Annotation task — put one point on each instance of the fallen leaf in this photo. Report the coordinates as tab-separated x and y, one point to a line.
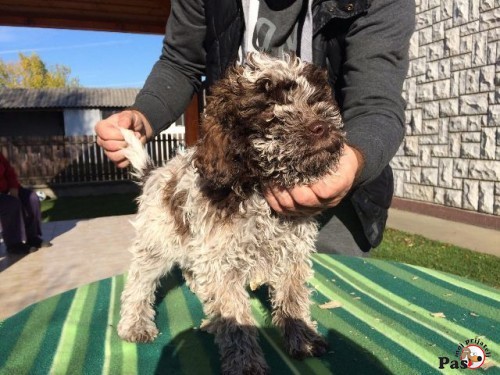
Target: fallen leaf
330	305
438	315
473	314
414	278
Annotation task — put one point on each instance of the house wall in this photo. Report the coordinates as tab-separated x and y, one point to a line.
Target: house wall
451	154
80	121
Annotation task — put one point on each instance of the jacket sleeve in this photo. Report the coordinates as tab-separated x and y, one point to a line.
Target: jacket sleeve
177	74
375	68
10	175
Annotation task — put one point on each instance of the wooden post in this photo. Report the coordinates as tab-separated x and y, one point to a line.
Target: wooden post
192	121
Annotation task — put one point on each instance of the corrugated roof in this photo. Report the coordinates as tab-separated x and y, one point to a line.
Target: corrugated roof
66	98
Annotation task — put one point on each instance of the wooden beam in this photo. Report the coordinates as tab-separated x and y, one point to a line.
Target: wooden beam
133	16
89	25
192	122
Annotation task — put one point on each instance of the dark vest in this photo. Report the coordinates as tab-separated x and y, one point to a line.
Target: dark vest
331	22
225	29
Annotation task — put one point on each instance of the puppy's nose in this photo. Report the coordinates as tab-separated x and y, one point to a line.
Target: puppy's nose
318	128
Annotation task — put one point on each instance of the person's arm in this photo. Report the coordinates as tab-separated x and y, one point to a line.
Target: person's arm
169	87
374	71
10	177
177	74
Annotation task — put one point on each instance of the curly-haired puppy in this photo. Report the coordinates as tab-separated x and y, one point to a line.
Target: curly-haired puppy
269	122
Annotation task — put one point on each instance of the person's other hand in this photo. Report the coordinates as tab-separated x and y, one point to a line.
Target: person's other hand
327	192
14	192
110	138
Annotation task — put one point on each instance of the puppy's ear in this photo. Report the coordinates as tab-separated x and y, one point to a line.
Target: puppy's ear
215	157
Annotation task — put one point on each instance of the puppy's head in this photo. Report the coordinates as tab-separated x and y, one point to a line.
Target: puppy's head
269	122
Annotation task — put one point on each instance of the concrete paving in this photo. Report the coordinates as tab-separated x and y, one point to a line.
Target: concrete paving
84	251
459	234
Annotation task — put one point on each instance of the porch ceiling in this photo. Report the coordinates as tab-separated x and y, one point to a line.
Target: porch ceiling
135	16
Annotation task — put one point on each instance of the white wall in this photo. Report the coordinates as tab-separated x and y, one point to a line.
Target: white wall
80	121
451	154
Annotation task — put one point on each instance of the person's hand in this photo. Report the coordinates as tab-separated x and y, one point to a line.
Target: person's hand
14	192
327	192
110	138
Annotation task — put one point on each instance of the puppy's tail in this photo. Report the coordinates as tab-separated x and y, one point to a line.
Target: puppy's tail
135	152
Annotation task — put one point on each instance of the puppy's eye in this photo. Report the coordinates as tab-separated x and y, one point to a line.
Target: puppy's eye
289	85
264	84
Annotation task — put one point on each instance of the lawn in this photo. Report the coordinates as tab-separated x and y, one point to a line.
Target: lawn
397	246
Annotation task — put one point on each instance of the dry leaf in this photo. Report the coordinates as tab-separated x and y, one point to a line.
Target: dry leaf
473	314
414	278
330	305
438	315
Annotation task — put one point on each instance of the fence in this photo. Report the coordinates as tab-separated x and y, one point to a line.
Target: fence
59	160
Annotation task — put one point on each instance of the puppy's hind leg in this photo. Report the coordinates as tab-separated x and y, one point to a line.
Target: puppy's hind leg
137	312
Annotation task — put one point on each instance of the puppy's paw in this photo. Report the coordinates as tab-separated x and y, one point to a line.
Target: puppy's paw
137	332
303	341
254	368
314	347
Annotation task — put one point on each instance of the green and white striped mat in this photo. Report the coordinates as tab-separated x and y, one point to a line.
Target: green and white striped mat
391	318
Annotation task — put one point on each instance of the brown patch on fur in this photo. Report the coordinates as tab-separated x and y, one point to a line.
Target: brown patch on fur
174	201
225	200
318	78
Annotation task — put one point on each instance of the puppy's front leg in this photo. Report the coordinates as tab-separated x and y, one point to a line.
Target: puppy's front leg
226	303
291	312
137	313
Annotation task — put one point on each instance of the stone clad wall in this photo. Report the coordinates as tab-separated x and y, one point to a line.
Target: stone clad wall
451	153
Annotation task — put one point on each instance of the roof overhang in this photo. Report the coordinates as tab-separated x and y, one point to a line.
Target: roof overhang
134	16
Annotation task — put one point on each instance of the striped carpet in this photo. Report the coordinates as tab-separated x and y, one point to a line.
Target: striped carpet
390	318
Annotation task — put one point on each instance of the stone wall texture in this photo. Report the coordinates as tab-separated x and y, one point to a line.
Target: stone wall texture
451	153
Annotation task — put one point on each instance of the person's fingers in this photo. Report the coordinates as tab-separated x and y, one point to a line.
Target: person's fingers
304	197
108	131
117	158
110	138
127	120
111	146
282	202
272	201
123	164
284	199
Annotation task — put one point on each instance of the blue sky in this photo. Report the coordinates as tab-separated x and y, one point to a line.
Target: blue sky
98	59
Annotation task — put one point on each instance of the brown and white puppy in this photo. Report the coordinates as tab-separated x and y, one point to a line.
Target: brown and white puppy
269	122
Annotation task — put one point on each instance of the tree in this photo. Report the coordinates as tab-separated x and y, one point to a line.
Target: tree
31	72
